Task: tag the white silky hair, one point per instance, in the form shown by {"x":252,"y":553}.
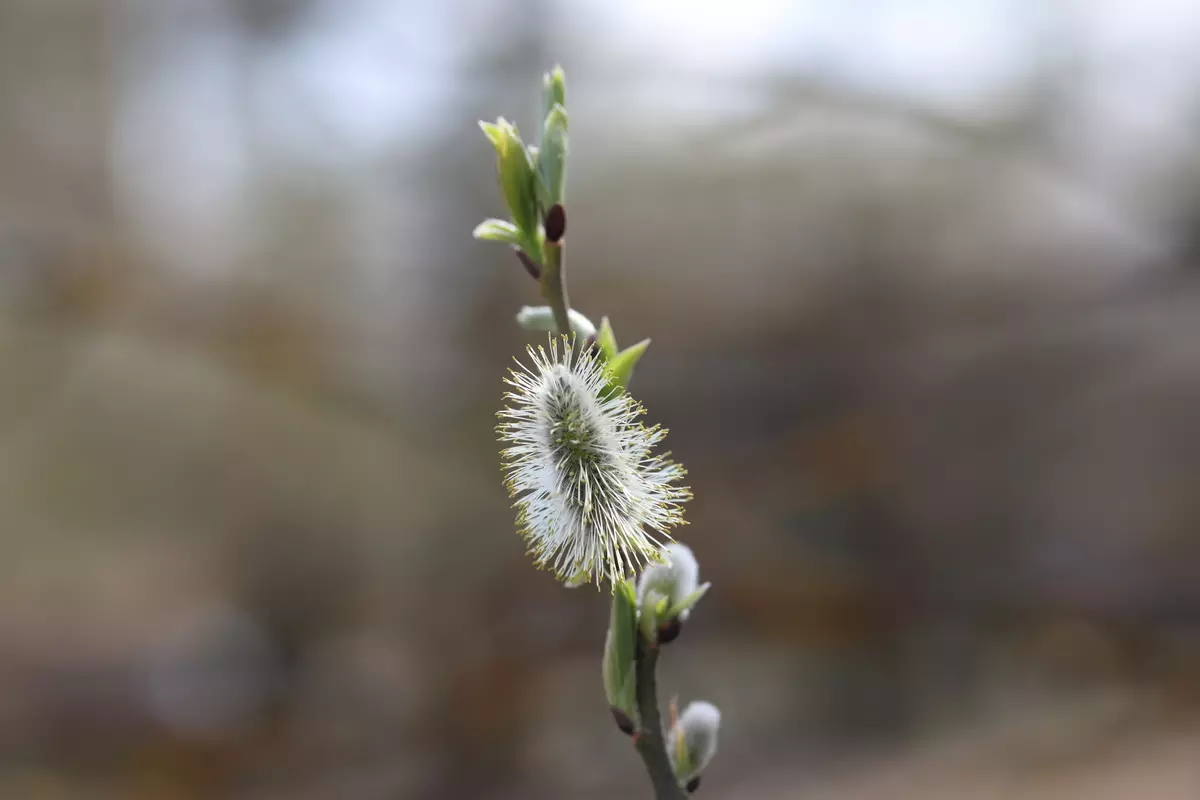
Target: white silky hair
{"x":675,"y":578}
{"x":698,"y":725}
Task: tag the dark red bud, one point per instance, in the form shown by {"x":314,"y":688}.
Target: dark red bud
{"x":669,"y":631}
{"x":556,"y":223}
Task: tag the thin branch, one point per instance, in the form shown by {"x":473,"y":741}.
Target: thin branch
{"x":554,"y":287}
{"x":650,"y":743}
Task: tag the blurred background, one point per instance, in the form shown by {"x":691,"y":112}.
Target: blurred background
{"x":922,"y":279}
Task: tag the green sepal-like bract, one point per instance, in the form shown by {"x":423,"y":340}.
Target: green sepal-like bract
{"x":606,"y":340}
{"x":650,"y":615}
{"x":618,"y":363}
{"x":684,"y":606}
{"x":620,"y":652}
{"x":621,"y":367}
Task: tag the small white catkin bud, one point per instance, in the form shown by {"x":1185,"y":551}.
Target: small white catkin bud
{"x":692,"y":741}
{"x":541,"y":318}
{"x":676,"y":578}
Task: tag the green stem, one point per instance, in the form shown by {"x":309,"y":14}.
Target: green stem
{"x":554,"y":287}
{"x":651,"y":745}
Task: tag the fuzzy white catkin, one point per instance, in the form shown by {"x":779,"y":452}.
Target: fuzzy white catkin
{"x":592,"y":496}
{"x":698,"y":725}
{"x":676,"y":578}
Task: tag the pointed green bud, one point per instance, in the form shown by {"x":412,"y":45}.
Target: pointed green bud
{"x":692,"y":741}
{"x":541,"y":318}
{"x":554,"y":84}
{"x":517,"y":181}
{"x":552,"y":163}
{"x":675,"y":579}
{"x":498,"y":230}
{"x":606,"y":340}
{"x":620,"y":648}
{"x":621,"y":366}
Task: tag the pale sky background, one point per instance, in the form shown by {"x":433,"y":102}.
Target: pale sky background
{"x":353,"y":81}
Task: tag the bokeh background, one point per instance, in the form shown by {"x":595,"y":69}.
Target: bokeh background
{"x":922,"y":283}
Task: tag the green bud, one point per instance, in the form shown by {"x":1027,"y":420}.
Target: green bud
{"x":517,"y":181}
{"x":621,"y":365}
{"x":606,"y":339}
{"x":552,"y":161}
{"x":620,"y":649}
{"x":555,"y":84}
{"x":541,"y":318}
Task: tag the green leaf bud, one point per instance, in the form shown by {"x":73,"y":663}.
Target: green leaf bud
{"x":517,"y":181}
{"x":554,"y":84}
{"x":552,"y":162}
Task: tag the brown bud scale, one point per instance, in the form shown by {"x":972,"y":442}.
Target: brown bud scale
{"x":669,"y":632}
{"x":623,"y":721}
{"x":531,"y":266}
{"x":556,"y":223}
